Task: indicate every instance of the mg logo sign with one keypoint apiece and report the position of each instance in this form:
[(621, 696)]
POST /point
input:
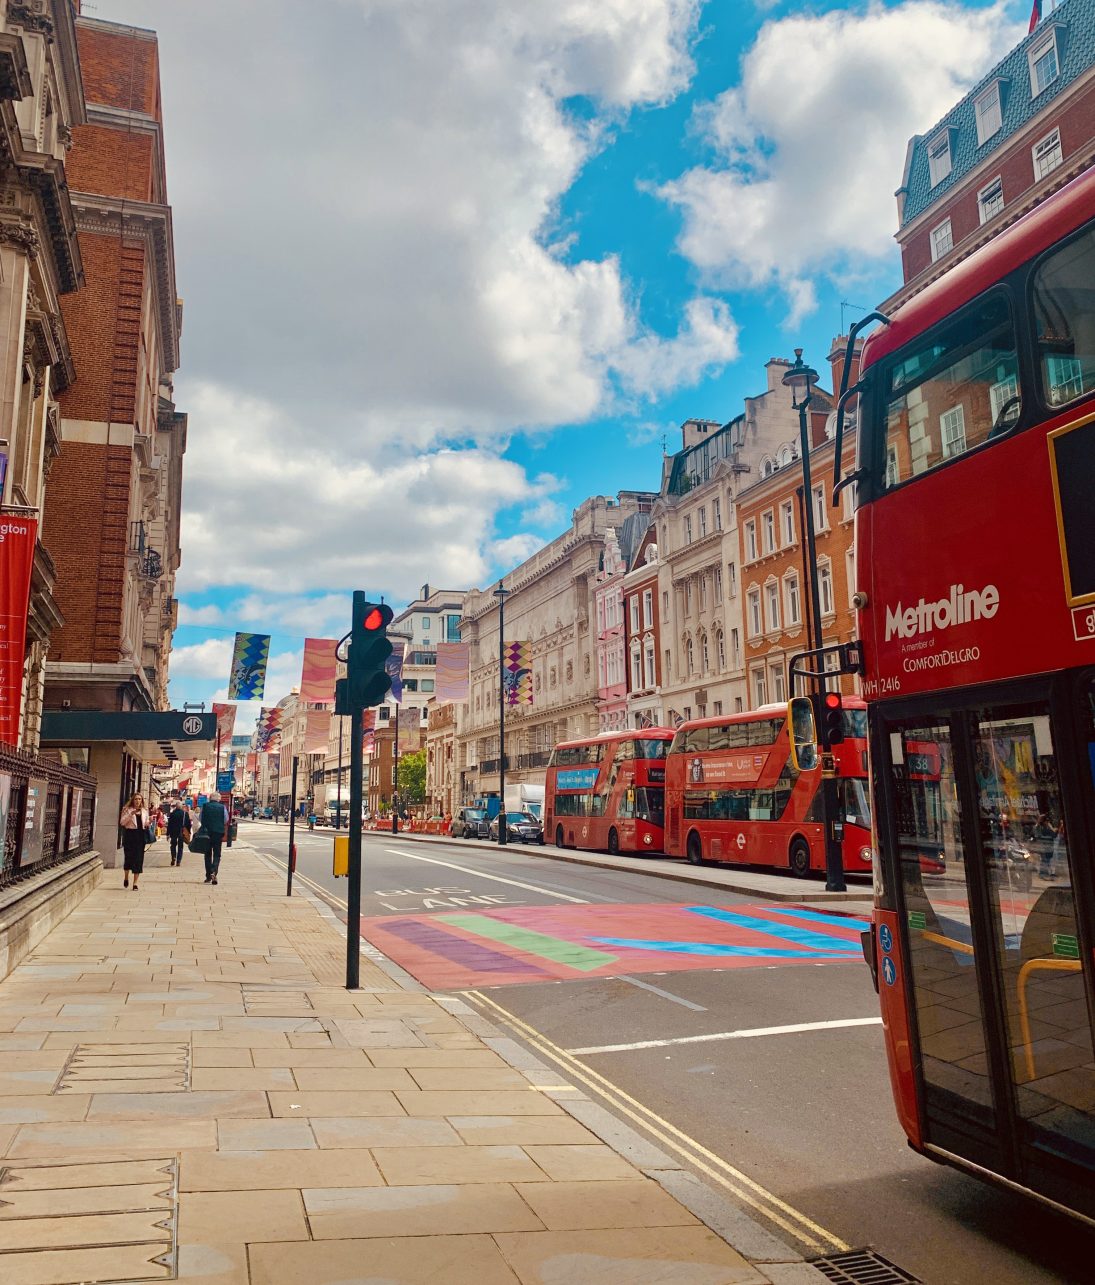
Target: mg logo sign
[(192, 725)]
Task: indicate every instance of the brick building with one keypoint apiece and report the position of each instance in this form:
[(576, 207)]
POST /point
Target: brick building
[(774, 585), (112, 506), (1022, 132), (41, 101)]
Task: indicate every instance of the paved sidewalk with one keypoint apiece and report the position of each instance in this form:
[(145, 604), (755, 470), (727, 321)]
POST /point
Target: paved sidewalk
[(187, 1091)]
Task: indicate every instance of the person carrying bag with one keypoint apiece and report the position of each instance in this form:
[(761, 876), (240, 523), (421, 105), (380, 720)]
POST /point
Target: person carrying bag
[(135, 824), (214, 824)]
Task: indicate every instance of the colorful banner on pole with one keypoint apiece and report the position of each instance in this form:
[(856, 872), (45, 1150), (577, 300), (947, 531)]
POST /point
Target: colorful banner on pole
[(247, 679), (393, 667), (18, 537), (517, 673), (226, 721), (268, 730), (317, 679), (368, 739), (453, 682), (317, 727)]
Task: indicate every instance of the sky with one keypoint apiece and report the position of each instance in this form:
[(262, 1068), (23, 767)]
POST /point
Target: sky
[(451, 266)]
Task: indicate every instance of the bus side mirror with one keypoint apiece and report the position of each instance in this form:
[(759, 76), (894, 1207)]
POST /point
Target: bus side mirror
[(800, 719)]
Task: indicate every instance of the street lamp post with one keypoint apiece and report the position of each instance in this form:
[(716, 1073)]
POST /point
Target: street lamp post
[(798, 379), (500, 593)]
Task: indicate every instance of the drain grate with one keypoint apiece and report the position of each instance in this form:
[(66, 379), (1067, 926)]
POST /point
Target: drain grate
[(862, 1267)]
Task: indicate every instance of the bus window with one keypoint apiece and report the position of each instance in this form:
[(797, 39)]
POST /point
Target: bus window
[(855, 723), (937, 905), (951, 391), (856, 807), (1064, 314), (1034, 917), (648, 748), (650, 804)]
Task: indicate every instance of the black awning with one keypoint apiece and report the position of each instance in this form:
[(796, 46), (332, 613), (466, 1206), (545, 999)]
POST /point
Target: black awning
[(149, 735)]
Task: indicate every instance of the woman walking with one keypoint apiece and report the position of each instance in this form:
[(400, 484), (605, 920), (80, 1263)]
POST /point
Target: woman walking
[(134, 822)]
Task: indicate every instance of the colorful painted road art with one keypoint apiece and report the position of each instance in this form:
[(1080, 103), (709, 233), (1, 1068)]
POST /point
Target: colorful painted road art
[(562, 943)]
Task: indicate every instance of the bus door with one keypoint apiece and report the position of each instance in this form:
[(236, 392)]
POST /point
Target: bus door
[(992, 807)]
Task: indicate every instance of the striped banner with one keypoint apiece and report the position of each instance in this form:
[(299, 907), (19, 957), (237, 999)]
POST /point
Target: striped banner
[(247, 678), (453, 680), (517, 673), (368, 730), (317, 729), (317, 679), (268, 731)]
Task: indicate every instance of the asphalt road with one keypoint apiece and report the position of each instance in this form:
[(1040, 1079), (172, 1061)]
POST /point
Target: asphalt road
[(798, 1126)]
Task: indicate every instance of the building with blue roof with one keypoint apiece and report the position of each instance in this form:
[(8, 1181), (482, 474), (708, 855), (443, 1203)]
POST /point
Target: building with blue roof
[(1024, 130)]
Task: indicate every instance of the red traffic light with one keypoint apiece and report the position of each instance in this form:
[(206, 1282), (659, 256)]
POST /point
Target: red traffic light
[(374, 620), (832, 700)]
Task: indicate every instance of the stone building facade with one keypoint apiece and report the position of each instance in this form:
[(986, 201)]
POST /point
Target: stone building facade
[(551, 604), (699, 561), (41, 102), (642, 634)]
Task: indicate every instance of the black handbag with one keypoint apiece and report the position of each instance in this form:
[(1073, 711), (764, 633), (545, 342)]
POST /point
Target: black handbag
[(150, 835), (201, 842)]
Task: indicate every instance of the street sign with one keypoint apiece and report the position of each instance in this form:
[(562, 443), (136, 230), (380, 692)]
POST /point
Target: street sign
[(889, 970), (225, 782), (885, 938)]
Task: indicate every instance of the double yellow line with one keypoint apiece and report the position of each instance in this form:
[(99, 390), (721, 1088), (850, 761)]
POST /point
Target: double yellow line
[(765, 1203)]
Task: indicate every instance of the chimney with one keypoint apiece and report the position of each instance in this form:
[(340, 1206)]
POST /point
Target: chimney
[(695, 431), (836, 361), (776, 367)]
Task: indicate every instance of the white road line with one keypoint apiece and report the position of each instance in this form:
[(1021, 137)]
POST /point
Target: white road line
[(751, 1034), (516, 883), (657, 990)]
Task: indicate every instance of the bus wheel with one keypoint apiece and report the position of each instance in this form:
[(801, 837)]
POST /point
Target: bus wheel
[(559, 837), (613, 842), (695, 849), (800, 858)]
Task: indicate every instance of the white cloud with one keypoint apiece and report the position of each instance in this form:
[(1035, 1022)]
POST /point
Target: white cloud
[(514, 549), (387, 527), (209, 615), (804, 178), (208, 659), (708, 339)]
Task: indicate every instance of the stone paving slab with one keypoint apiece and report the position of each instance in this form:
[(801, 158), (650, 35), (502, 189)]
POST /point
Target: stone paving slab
[(188, 1093)]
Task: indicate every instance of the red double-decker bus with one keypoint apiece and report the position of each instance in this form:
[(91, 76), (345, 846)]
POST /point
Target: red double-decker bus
[(976, 555), (733, 794), (606, 793)]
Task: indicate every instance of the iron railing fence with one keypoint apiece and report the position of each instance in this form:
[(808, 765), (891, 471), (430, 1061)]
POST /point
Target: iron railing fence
[(47, 814)]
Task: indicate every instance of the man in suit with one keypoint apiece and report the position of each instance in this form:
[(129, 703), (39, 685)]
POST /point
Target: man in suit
[(214, 818), (177, 821)]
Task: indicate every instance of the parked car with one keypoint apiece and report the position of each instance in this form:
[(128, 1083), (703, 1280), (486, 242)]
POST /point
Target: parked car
[(470, 823), (519, 825)]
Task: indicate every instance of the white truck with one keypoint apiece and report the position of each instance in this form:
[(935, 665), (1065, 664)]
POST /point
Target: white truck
[(526, 798)]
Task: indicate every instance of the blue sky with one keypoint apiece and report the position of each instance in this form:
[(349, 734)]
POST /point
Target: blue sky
[(452, 267)]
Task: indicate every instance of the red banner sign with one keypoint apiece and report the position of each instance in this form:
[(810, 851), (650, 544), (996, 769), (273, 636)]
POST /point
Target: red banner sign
[(17, 540)]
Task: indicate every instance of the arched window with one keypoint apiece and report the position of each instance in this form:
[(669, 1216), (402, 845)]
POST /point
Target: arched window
[(720, 648), (689, 656), (766, 467), (704, 654)]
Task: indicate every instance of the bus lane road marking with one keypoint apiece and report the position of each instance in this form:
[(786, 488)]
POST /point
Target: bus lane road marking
[(657, 990), (749, 1033), (480, 874), (791, 1220)]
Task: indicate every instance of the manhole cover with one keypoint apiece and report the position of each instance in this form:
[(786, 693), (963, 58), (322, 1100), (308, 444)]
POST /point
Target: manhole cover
[(862, 1267)]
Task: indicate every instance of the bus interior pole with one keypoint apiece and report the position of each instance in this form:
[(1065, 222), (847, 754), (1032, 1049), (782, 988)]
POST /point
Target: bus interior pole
[(353, 891), (292, 831)]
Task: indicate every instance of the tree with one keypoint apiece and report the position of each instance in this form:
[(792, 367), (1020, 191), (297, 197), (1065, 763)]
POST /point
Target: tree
[(412, 777)]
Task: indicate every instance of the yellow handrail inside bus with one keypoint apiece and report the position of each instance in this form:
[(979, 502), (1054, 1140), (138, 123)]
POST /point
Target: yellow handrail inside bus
[(1032, 965), (950, 942)]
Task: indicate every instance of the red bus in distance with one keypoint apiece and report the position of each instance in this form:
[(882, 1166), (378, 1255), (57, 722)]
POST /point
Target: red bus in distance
[(975, 549), (732, 794), (606, 793)]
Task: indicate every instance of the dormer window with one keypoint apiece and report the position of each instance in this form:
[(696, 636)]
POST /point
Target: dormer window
[(987, 109), (1043, 62), (939, 157)]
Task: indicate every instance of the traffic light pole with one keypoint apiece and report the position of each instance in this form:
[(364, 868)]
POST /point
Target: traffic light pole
[(353, 892), (292, 832), (830, 800)]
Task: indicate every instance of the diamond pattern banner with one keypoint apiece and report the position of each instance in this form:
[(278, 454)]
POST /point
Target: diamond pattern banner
[(517, 673), (247, 679)]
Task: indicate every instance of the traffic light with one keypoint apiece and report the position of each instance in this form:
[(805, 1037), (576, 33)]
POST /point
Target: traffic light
[(832, 718), (367, 679)]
